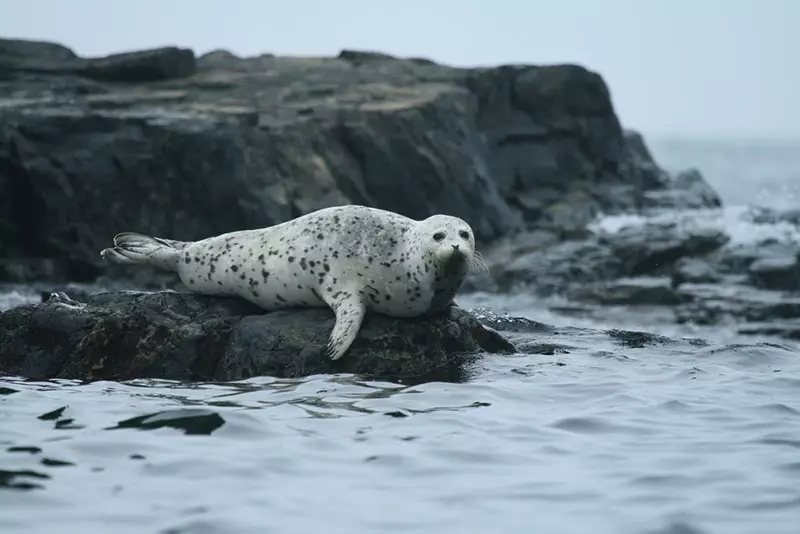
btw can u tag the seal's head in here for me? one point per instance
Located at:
(448, 240)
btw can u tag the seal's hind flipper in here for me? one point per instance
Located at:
(350, 310)
(137, 249)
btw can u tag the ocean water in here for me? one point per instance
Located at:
(698, 433)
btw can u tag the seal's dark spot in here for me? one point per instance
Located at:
(187, 260)
(291, 259)
(234, 268)
(280, 298)
(265, 274)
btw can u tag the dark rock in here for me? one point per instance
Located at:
(737, 259)
(770, 216)
(143, 66)
(547, 265)
(641, 164)
(358, 56)
(177, 336)
(43, 50)
(21, 270)
(21, 56)
(652, 291)
(654, 248)
(550, 270)
(782, 273)
(788, 329)
(686, 190)
(694, 271)
(508, 148)
(730, 303)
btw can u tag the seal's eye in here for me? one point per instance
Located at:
(464, 234)
(438, 236)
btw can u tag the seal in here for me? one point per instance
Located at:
(353, 259)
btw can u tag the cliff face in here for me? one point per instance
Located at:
(167, 144)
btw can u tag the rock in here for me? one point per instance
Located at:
(143, 66)
(551, 269)
(694, 271)
(181, 336)
(737, 259)
(650, 291)
(686, 190)
(734, 303)
(770, 216)
(187, 149)
(43, 50)
(781, 273)
(788, 329)
(360, 56)
(21, 56)
(654, 248)
(553, 266)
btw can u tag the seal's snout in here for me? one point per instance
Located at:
(455, 247)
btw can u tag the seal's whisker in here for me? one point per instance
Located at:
(478, 264)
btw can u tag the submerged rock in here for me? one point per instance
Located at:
(182, 336)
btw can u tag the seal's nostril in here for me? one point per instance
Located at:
(455, 247)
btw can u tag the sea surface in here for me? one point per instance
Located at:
(684, 437)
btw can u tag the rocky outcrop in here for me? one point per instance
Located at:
(682, 263)
(179, 336)
(168, 144)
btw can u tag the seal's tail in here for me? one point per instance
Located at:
(136, 249)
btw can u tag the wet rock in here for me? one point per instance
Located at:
(180, 336)
(782, 273)
(737, 259)
(652, 291)
(550, 266)
(685, 190)
(655, 248)
(788, 329)
(694, 271)
(770, 216)
(734, 303)
(84, 155)
(554, 268)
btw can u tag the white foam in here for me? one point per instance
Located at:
(14, 298)
(736, 221)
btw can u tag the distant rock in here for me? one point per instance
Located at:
(145, 66)
(180, 336)
(694, 271)
(781, 272)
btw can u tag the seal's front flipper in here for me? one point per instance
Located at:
(350, 311)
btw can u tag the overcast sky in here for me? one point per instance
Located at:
(684, 67)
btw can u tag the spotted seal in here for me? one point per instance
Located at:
(353, 259)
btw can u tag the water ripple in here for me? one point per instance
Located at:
(602, 438)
